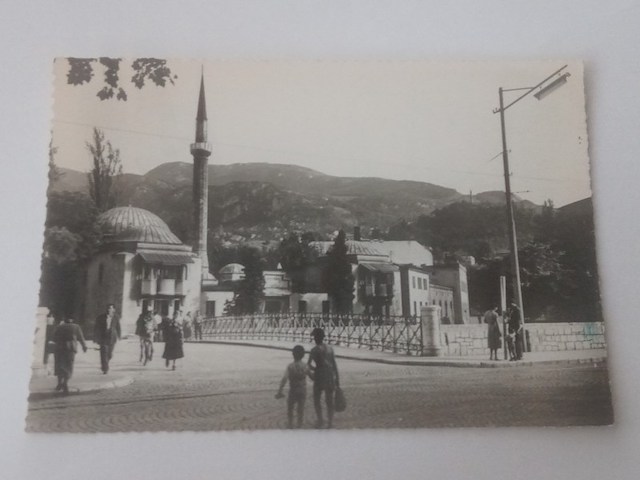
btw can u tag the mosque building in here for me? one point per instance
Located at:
(142, 264)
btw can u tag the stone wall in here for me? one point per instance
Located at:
(471, 340)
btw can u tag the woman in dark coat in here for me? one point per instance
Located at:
(66, 337)
(172, 342)
(494, 336)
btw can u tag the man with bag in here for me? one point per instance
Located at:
(323, 365)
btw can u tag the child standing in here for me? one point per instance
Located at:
(296, 373)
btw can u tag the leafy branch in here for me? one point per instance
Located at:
(154, 70)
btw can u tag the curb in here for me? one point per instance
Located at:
(429, 363)
(83, 388)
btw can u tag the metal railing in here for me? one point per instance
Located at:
(395, 334)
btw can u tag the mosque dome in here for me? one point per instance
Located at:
(130, 224)
(231, 272)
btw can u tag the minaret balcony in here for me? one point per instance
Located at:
(201, 147)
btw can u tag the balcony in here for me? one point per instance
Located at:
(149, 287)
(167, 286)
(382, 290)
(179, 287)
(379, 290)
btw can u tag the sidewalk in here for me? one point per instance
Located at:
(365, 355)
(87, 376)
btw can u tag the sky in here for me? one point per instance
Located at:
(403, 120)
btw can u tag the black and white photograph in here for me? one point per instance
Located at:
(318, 244)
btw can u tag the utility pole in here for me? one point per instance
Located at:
(511, 223)
(513, 241)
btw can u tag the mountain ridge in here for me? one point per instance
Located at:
(263, 200)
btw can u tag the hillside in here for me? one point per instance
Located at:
(265, 201)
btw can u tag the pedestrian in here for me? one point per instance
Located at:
(49, 344)
(66, 337)
(325, 376)
(517, 330)
(296, 374)
(106, 334)
(172, 343)
(494, 335)
(186, 326)
(157, 320)
(197, 326)
(145, 328)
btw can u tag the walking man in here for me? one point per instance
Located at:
(197, 326)
(516, 328)
(106, 334)
(66, 336)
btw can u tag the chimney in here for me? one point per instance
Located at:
(356, 233)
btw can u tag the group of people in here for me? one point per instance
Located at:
(63, 340)
(515, 333)
(321, 367)
(172, 331)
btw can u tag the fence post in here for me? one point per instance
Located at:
(430, 325)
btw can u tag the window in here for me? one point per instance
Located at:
(415, 308)
(210, 308)
(413, 281)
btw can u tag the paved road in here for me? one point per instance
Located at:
(226, 387)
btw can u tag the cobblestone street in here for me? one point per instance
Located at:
(226, 387)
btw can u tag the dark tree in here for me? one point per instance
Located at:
(106, 172)
(338, 278)
(154, 70)
(250, 293)
(54, 173)
(296, 256)
(71, 238)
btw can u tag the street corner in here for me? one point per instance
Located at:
(42, 387)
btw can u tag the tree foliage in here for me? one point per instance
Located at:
(296, 256)
(154, 70)
(71, 238)
(249, 295)
(338, 277)
(106, 171)
(556, 252)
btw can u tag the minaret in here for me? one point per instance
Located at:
(201, 151)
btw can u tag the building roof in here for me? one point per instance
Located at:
(406, 252)
(380, 267)
(131, 224)
(166, 258)
(353, 248)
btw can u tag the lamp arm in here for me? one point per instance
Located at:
(529, 90)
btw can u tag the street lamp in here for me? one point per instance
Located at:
(548, 85)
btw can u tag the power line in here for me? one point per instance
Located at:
(419, 166)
